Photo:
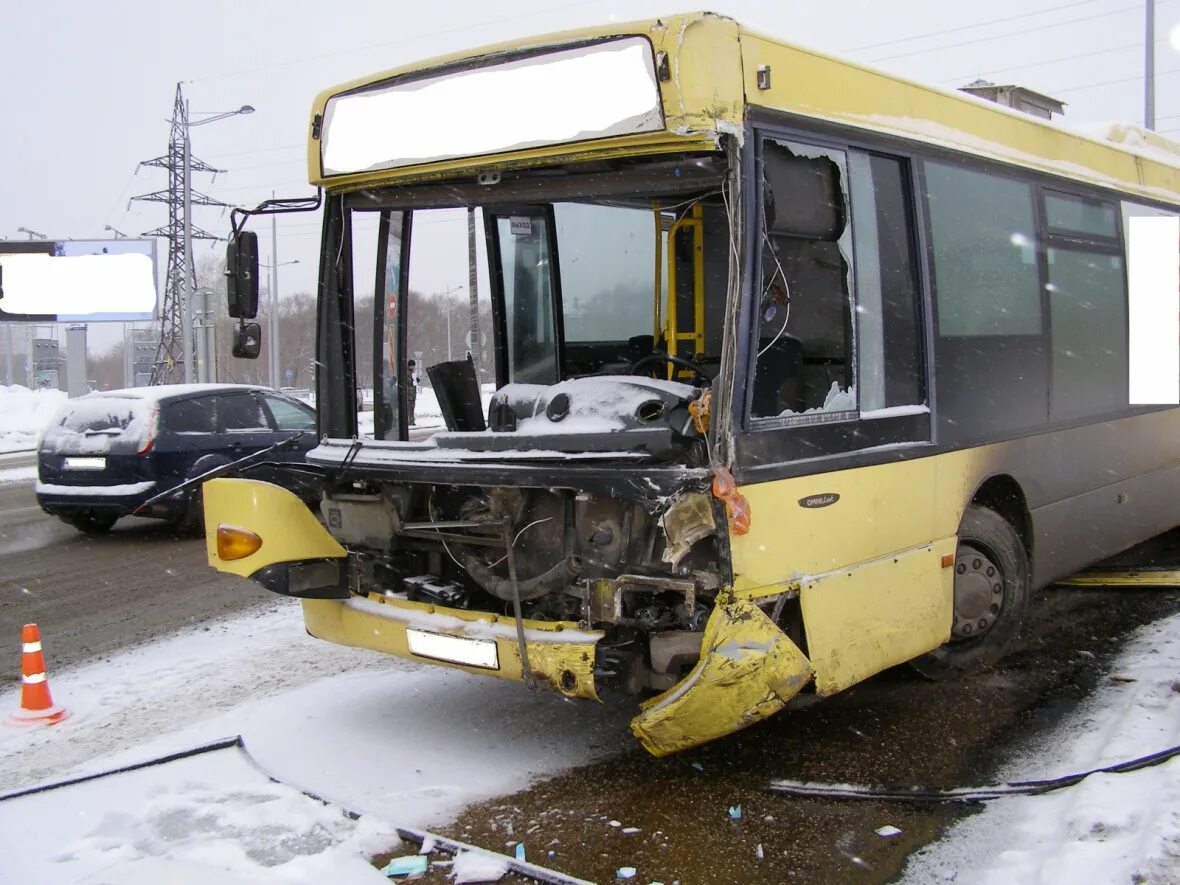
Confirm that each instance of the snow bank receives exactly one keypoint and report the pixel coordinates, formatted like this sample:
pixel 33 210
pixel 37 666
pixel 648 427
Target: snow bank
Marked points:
pixel 1109 828
pixel 23 413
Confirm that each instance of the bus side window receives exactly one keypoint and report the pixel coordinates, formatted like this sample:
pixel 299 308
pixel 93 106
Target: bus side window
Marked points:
pixel 889 336
pixel 804 317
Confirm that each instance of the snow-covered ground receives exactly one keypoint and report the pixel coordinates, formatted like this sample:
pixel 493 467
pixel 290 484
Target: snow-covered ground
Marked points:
pixel 1110 827
pixel 397 743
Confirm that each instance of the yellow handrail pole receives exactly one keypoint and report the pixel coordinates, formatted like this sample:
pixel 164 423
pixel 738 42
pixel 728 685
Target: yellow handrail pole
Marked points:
pixel 698 287
pixel 659 252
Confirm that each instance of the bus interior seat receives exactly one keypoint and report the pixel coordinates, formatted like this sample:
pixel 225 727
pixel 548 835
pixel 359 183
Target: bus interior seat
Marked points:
pixel 805 218
pixel 778 377
pixel 456 386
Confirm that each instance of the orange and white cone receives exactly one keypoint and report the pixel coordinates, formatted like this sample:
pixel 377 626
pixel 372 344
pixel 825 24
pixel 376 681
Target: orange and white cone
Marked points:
pixel 36 705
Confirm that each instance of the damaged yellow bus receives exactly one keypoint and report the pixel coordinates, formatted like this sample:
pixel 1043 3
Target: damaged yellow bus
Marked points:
pixel 802 371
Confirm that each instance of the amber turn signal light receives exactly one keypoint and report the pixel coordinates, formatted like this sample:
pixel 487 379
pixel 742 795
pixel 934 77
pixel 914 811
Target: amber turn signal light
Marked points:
pixel 737 508
pixel 235 543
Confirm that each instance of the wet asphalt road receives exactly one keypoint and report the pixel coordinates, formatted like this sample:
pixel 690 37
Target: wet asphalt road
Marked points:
pixel 895 729
pixel 93 595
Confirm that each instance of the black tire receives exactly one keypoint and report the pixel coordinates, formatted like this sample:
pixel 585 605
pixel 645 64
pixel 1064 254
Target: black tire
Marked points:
pixel 192 521
pixel 90 523
pixel 986 620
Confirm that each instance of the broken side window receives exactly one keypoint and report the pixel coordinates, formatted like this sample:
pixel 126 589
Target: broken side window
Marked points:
pixel 805 346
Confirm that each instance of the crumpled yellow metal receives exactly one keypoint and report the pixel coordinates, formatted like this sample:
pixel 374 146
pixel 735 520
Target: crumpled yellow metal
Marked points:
pixel 748 670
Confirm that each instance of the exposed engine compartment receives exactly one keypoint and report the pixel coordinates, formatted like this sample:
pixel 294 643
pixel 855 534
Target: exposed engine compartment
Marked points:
pixel 640 559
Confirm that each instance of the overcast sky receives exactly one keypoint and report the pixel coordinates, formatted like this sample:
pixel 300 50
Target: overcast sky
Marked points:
pixel 89 87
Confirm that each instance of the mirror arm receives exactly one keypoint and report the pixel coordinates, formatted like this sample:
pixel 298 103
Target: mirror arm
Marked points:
pixel 239 216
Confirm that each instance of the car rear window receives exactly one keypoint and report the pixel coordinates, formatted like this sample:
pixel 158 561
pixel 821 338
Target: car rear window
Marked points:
pixel 106 415
pixel 100 425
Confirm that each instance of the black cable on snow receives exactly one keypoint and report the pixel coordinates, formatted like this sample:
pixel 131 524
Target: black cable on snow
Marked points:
pixel 223 744
pixel 961 794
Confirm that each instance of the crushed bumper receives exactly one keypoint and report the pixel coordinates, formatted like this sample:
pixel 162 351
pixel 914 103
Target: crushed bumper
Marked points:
pixel 748 670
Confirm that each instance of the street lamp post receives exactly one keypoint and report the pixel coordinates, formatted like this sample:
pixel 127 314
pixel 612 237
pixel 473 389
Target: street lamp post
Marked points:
pixel 119 235
pixel 447 309
pixel 189 273
pixel 273 366
pixel 33 235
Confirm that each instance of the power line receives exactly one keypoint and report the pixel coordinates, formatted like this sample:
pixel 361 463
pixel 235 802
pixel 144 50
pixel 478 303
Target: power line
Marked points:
pixel 1047 61
pixel 1137 79
pixel 1011 33
pixel 122 194
pixel 970 27
pixel 265 150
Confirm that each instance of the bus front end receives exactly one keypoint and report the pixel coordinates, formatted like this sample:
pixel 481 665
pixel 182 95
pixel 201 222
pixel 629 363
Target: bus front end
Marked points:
pixel 569 524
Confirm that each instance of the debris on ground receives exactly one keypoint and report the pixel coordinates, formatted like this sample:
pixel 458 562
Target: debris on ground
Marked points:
pixel 407 865
pixel 478 866
pixel 887 832
pixel 735 812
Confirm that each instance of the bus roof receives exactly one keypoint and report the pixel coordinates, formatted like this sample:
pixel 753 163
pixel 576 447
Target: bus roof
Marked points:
pixel 707 68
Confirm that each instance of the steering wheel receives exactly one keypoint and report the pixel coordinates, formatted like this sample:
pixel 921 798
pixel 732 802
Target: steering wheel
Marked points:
pixel 658 356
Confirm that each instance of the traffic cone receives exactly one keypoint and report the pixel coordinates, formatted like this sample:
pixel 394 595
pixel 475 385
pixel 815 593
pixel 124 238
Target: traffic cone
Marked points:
pixel 36 706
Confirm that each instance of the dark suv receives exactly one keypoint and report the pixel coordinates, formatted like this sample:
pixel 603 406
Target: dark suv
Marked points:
pixel 105 454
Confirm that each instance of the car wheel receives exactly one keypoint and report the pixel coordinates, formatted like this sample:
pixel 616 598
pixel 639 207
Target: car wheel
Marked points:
pixel 192 521
pixel 992 579
pixel 91 523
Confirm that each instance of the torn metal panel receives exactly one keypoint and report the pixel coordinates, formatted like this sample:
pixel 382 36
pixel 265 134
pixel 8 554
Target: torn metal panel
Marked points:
pixel 748 671
pixel 689 519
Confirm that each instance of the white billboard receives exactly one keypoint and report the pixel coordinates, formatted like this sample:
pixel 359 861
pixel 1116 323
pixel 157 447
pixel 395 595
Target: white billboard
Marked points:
pixel 77 280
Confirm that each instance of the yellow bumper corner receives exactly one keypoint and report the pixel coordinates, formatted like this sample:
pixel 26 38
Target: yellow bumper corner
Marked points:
pixel 748 671
pixel 289 531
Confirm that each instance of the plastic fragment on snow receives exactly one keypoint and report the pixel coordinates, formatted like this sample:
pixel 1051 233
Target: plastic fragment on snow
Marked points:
pixel 427 845
pixel 625 872
pixel 478 866
pixel 630 831
pixel 615 823
pixel 758 852
pixel 407 865
pixel 735 812
pixel 887 831
pixel 698 766
pixel 520 851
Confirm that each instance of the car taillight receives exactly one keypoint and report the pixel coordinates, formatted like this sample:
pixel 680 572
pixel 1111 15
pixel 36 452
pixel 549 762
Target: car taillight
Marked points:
pixel 149 433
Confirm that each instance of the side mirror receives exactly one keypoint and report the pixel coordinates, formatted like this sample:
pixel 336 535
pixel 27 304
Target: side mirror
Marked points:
pixel 247 341
pixel 241 271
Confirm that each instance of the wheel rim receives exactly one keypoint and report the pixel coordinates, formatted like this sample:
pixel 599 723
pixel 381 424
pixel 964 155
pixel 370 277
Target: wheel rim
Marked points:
pixel 979 593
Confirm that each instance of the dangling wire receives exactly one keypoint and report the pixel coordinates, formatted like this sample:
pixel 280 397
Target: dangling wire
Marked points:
pixel 779 274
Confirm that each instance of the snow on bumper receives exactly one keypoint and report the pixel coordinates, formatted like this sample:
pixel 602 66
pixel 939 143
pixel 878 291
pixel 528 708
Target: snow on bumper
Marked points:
pixel 560 655
pixel 130 490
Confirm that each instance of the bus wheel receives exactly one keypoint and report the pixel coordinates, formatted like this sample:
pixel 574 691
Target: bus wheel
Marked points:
pixel 991 596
